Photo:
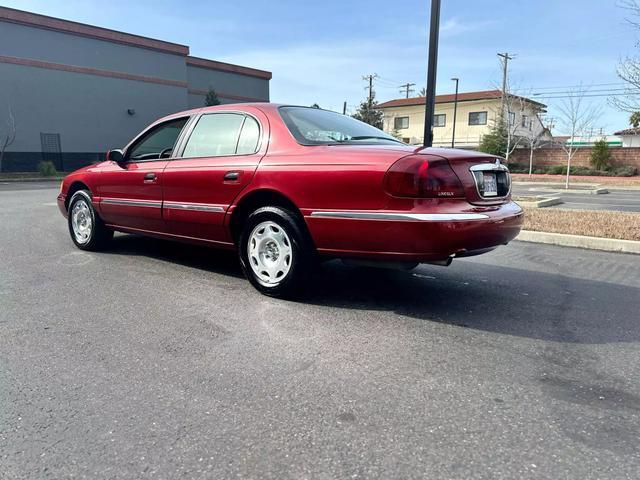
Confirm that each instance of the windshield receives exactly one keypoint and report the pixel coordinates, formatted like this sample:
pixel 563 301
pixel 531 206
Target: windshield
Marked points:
pixel 313 126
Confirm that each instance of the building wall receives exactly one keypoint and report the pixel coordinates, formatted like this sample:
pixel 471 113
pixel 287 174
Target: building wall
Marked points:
pixel 230 87
pixel 23 41
pixel 557 156
pixel 467 136
pixel 98 88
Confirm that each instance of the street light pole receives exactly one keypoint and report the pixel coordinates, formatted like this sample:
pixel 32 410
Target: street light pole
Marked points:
pixel 455 111
pixel 431 73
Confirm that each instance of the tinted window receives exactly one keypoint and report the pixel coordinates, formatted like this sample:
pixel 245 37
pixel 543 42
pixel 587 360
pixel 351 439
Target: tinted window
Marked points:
pixel 313 126
pixel 160 140
pixel 214 135
pixel 400 123
pixel 249 137
pixel 478 118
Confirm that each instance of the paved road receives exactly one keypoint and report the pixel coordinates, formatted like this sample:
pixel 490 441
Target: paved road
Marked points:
pixel 157 360
pixel 617 199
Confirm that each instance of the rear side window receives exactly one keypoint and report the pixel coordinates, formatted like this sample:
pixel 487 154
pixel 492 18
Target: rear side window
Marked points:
pixel 214 135
pixel 249 137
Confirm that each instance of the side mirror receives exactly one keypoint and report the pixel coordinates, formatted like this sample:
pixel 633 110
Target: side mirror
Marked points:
pixel 116 155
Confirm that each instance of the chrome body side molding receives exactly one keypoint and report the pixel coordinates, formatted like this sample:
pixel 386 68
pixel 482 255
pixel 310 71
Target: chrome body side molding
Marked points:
pixel 196 207
pixel 130 203
pixel 420 217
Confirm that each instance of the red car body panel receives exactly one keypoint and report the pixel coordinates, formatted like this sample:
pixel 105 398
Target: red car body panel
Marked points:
pixel 196 202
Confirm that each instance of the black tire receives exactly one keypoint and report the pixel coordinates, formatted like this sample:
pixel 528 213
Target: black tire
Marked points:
pixel 292 283
pixel 98 236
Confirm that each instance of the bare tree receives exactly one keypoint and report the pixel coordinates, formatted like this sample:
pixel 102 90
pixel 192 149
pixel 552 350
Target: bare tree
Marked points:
pixel 534 141
pixel 514 104
pixel 7 134
pixel 629 68
pixel 576 117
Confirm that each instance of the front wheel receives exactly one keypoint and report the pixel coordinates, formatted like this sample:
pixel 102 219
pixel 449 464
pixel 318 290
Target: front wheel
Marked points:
pixel 86 228
pixel 275 252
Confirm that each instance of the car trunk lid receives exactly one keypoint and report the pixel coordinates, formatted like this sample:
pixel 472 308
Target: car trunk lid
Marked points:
pixel 485 178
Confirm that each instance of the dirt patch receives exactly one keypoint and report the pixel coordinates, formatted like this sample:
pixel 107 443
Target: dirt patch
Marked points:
pixel 592 223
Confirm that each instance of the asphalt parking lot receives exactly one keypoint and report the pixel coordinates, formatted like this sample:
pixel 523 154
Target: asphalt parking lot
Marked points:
pixel 617 199
pixel 158 360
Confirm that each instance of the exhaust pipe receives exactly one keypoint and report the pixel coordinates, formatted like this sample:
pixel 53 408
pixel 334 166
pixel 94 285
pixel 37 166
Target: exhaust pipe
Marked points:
pixel 441 263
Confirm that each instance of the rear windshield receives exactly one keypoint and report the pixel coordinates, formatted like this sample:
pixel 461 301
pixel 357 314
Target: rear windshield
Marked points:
pixel 313 126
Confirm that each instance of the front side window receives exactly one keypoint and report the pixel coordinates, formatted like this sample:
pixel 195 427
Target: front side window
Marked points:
pixel 440 120
pixel 215 134
pixel 477 118
pixel 314 126
pixel 400 123
pixel 158 142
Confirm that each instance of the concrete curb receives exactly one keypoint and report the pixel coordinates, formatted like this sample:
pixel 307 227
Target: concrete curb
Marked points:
pixel 542 203
pixel 580 241
pixel 34 179
pixel 558 186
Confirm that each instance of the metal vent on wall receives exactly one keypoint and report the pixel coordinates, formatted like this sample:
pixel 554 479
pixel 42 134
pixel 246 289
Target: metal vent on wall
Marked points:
pixel 52 149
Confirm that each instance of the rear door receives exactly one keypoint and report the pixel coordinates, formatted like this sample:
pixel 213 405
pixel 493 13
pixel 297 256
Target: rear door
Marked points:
pixel 216 160
pixel 130 195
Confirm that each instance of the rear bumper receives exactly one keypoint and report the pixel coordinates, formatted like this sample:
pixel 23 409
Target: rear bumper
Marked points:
pixel 415 235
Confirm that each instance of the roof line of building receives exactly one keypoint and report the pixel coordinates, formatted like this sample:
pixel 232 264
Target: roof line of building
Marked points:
pixel 228 67
pixel 82 29
pixel 450 98
pixel 37 20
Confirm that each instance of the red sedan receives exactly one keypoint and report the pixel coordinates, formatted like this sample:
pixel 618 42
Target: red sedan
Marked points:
pixel 284 185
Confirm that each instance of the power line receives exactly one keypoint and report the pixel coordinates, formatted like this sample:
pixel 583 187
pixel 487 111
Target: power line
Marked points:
pixel 588 95
pixel 564 87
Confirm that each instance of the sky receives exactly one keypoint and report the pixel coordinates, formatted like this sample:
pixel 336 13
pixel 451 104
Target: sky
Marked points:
pixel 319 51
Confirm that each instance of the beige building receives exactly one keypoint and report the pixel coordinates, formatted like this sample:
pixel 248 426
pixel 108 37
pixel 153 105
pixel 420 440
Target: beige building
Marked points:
pixel 476 114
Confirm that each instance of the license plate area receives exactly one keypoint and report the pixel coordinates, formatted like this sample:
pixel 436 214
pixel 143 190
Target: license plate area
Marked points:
pixel 489 184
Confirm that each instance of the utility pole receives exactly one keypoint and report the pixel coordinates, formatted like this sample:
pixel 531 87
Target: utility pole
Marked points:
pixel 370 87
pixel 407 88
pixel 505 57
pixel 432 65
pixel 455 111
pixel 344 108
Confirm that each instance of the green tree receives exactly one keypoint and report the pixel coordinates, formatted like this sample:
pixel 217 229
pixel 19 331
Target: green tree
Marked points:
pixel 600 155
pixel 634 119
pixel 212 98
pixel 315 105
pixel 495 142
pixel 368 112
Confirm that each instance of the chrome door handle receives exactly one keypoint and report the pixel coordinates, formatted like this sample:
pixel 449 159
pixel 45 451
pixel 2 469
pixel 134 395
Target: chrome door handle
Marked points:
pixel 149 177
pixel 231 176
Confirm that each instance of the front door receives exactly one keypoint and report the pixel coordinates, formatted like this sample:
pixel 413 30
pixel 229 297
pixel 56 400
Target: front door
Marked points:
pixel 130 194
pixel 217 160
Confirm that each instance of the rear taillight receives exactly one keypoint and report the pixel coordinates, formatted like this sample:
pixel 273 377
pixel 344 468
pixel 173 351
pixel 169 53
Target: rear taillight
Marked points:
pixel 423 176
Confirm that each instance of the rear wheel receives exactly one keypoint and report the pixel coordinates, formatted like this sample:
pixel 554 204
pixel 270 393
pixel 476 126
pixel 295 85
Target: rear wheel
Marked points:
pixel 86 228
pixel 275 252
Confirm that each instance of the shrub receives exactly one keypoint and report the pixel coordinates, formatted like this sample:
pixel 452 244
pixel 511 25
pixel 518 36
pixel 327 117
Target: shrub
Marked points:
pixel 600 155
pixel 518 168
pixel 47 169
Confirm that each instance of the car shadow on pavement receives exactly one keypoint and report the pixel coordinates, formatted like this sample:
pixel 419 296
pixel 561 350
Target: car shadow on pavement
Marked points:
pixel 509 301
pixel 480 296
pixel 214 260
